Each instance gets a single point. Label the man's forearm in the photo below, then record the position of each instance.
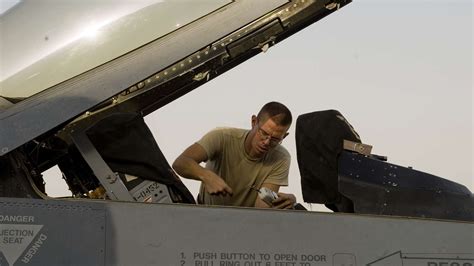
(188, 168)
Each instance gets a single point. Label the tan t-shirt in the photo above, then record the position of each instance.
(228, 159)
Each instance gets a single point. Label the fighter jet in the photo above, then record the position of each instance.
(82, 107)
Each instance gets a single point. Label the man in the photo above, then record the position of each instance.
(240, 162)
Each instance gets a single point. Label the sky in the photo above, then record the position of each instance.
(399, 71)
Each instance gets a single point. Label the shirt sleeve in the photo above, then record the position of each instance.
(212, 142)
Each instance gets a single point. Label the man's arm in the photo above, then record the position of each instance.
(284, 201)
(187, 166)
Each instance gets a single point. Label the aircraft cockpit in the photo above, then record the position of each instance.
(87, 117)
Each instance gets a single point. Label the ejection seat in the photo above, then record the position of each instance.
(338, 170)
(119, 154)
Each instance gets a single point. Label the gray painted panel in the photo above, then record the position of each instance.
(39, 232)
(173, 234)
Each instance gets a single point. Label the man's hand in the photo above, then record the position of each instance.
(187, 165)
(284, 201)
(215, 185)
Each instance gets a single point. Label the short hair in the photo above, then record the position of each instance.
(277, 112)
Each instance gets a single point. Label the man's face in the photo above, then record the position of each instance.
(266, 136)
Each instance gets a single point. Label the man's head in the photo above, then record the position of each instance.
(269, 128)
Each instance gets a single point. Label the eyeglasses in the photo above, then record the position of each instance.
(267, 136)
